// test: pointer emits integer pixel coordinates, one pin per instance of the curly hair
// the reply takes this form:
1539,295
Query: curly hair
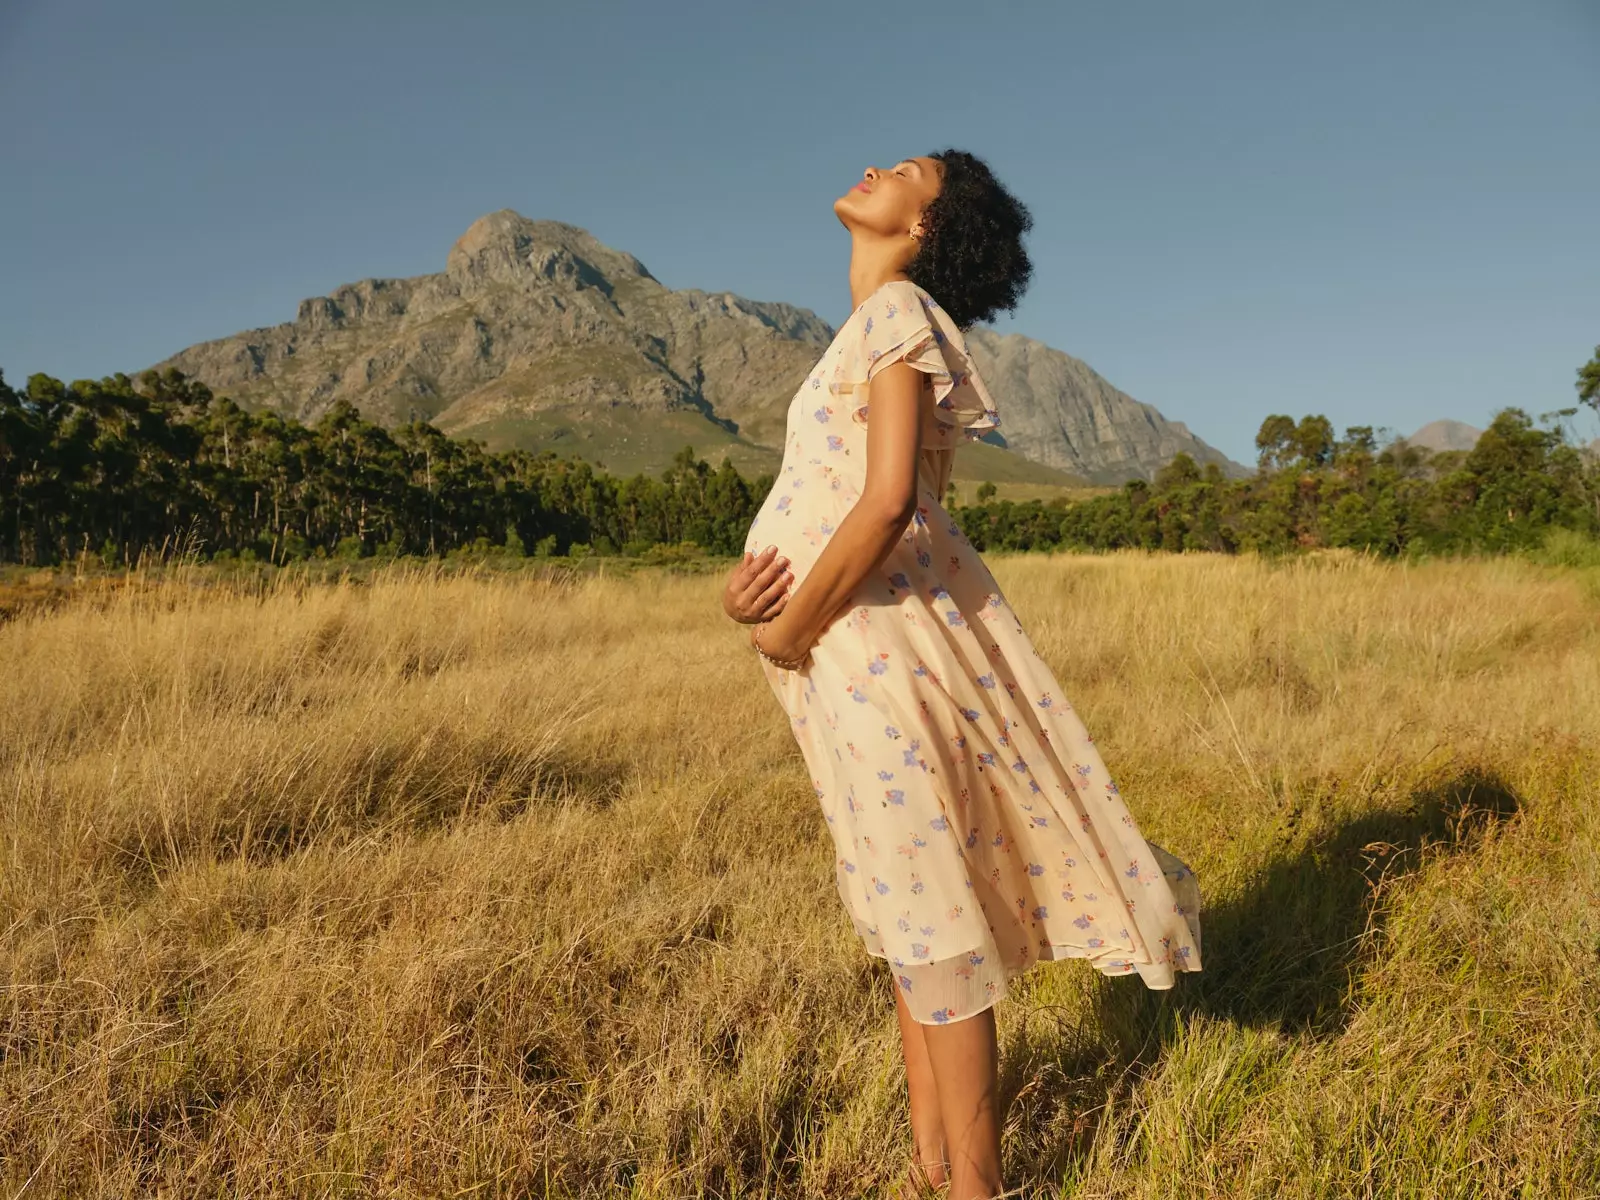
971,259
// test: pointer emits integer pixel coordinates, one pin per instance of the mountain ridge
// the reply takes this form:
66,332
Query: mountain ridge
537,334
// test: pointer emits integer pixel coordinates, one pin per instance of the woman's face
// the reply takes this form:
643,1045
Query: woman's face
890,202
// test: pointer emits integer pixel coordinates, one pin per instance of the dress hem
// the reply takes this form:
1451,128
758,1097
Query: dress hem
1072,951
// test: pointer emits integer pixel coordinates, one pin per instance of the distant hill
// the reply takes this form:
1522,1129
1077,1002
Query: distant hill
1439,436
537,335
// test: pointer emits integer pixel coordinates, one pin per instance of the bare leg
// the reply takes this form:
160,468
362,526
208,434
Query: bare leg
966,1068
927,1126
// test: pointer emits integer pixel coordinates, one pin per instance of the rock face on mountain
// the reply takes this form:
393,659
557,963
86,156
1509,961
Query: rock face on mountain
1056,410
1446,435
538,335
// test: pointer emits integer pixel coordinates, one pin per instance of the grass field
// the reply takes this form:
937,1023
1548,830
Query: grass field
494,885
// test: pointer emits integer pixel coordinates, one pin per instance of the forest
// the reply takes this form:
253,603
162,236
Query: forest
120,468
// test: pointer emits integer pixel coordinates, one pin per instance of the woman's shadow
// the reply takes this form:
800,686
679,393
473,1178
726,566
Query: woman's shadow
1280,953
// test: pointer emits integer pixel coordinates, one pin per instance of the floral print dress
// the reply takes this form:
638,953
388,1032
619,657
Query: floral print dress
975,826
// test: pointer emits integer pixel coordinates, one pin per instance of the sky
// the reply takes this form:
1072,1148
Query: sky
1386,213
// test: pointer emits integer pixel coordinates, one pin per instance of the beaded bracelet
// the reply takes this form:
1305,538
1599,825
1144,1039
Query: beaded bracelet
777,662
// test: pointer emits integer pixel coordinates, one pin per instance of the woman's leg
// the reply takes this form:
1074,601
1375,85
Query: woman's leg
966,1069
927,1127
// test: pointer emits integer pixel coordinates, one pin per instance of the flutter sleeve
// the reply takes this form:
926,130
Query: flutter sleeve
902,323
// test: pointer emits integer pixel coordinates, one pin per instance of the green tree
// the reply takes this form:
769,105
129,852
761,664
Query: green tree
1589,381
1313,442
1275,442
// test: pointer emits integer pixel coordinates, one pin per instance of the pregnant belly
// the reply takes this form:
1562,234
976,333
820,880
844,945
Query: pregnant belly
799,533
800,543
813,494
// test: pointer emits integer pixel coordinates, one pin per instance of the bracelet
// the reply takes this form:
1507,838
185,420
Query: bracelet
777,662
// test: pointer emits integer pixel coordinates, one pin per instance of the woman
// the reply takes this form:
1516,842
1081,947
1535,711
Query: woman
976,829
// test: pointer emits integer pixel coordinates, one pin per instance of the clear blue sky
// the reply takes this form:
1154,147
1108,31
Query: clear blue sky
1384,212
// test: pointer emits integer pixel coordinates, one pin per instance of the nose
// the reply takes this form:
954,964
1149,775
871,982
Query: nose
870,174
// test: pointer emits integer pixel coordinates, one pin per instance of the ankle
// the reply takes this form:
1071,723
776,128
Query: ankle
971,1186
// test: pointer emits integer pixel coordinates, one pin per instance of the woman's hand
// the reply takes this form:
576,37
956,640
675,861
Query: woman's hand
758,587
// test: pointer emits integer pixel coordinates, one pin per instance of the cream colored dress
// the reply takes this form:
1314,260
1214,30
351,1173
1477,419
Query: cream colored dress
977,830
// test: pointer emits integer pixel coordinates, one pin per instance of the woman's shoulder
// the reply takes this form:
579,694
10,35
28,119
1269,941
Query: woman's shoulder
901,321
896,297
894,311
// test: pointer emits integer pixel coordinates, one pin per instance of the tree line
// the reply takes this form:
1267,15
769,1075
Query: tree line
118,468
1313,489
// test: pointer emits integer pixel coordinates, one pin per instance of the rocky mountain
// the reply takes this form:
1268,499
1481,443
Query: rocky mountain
1446,435
1056,410
538,335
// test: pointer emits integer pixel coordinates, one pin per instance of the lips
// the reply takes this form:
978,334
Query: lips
861,187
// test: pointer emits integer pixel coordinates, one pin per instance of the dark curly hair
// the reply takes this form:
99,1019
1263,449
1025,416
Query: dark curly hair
971,259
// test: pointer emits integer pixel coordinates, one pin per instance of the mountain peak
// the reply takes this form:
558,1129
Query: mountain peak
1446,435
506,247
539,335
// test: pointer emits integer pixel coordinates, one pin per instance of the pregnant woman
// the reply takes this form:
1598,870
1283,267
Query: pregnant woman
976,829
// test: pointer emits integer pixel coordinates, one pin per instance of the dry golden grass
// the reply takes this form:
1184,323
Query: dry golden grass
441,885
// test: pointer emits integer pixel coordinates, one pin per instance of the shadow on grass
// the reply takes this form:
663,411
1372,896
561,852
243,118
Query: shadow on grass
1282,952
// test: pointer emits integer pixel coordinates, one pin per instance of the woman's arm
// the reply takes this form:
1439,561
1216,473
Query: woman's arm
874,523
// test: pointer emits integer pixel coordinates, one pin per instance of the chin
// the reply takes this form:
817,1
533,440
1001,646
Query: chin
845,208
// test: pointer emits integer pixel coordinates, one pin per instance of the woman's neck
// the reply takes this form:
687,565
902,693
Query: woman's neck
873,263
